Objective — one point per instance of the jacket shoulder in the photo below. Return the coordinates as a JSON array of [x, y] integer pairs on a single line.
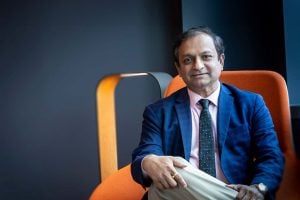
[[179, 95], [237, 93]]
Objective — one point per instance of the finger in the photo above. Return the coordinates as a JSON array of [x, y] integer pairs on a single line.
[[245, 197], [242, 194], [165, 183], [241, 191], [162, 181], [180, 180], [232, 186], [158, 185], [169, 178], [248, 195]]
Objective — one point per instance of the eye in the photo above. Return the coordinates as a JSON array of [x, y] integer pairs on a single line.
[[187, 60], [207, 57]]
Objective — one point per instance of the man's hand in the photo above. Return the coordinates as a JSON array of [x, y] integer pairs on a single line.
[[161, 169], [247, 192]]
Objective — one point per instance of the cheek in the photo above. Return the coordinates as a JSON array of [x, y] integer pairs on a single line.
[[217, 71], [217, 67], [178, 71], [181, 70]]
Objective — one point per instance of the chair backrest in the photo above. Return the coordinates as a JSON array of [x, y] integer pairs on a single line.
[[273, 88]]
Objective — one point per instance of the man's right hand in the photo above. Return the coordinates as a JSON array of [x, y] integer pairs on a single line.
[[162, 171]]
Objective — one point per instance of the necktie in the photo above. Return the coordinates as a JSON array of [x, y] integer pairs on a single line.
[[206, 145]]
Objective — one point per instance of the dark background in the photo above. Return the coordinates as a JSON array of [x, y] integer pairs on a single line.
[[253, 31], [53, 53]]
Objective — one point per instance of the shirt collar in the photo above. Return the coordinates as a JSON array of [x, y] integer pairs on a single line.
[[213, 98]]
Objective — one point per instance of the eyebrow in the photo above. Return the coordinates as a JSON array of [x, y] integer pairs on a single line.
[[204, 52]]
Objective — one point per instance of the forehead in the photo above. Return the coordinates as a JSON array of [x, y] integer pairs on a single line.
[[198, 44]]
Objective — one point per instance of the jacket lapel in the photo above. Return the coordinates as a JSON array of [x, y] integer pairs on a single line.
[[224, 111], [182, 108]]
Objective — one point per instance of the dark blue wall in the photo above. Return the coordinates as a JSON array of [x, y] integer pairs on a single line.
[[252, 30], [292, 40], [52, 55], [292, 43]]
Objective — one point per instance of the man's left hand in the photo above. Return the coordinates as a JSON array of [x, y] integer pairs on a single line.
[[246, 192]]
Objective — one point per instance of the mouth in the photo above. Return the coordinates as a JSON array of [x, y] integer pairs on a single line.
[[199, 75]]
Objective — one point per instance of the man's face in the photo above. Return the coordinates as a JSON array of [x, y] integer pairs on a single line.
[[199, 64]]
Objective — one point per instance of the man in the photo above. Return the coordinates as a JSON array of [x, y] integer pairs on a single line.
[[246, 154]]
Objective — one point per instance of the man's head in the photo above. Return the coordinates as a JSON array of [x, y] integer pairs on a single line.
[[199, 59], [218, 42]]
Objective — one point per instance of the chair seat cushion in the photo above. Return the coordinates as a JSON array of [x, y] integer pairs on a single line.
[[119, 186]]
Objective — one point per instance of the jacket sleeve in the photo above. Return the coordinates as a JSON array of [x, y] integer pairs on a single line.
[[150, 143], [268, 158]]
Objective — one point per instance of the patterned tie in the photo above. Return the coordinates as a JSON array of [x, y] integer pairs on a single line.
[[206, 145]]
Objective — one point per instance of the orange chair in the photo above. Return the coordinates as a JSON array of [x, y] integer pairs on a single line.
[[273, 88]]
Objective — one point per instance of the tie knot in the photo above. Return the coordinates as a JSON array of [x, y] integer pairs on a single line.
[[204, 103]]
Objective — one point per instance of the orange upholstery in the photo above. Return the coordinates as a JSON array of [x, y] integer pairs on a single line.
[[118, 186], [273, 88]]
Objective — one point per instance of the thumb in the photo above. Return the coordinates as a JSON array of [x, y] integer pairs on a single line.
[[233, 186], [180, 163]]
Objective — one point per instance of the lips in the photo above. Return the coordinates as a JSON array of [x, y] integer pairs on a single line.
[[199, 74]]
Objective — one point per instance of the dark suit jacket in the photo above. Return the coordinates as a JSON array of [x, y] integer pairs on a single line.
[[248, 144]]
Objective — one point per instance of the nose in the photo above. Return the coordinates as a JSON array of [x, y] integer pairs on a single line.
[[198, 63]]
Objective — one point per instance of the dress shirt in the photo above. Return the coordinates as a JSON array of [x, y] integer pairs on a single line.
[[195, 114]]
